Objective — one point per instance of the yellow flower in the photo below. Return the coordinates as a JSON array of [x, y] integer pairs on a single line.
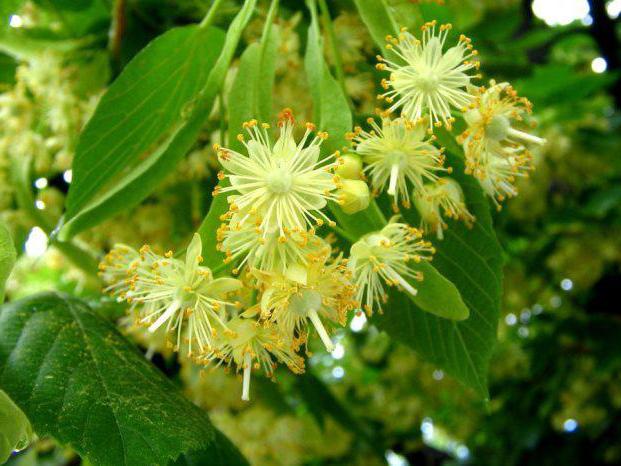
[[430, 81], [284, 184], [385, 257], [164, 290], [497, 152], [398, 154], [249, 344], [444, 198], [320, 290], [242, 242]]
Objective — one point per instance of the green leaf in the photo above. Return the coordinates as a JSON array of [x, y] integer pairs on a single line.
[[378, 20], [251, 93], [472, 260], [141, 110], [438, 295], [77, 379], [208, 229], [330, 107], [143, 179], [15, 430], [7, 257]]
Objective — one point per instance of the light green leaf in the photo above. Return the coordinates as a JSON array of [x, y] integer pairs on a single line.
[[471, 259], [330, 108], [378, 20], [78, 379], [7, 257], [140, 114], [171, 147], [15, 430], [251, 94], [438, 295]]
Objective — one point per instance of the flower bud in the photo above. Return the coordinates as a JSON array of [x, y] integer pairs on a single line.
[[355, 196], [350, 167]]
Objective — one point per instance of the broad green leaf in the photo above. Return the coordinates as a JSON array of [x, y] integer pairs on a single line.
[[141, 110], [15, 430], [146, 176], [79, 380], [471, 259], [7, 257], [378, 20]]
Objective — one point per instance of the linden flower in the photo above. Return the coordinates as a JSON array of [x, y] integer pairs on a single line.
[[490, 121], [319, 290], [431, 81], [164, 290], [384, 257], [444, 198], [398, 152], [496, 152], [498, 175], [248, 341], [242, 243], [285, 184]]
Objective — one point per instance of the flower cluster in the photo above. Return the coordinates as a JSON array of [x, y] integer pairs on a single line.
[[429, 82], [291, 282]]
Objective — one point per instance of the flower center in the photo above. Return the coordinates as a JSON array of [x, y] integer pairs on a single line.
[[428, 80], [396, 157], [279, 181], [498, 127], [305, 301]]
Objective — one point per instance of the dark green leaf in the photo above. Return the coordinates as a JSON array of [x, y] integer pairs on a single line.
[[207, 231], [79, 380]]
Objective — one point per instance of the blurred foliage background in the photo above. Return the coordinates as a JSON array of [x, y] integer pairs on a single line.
[[556, 375]]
